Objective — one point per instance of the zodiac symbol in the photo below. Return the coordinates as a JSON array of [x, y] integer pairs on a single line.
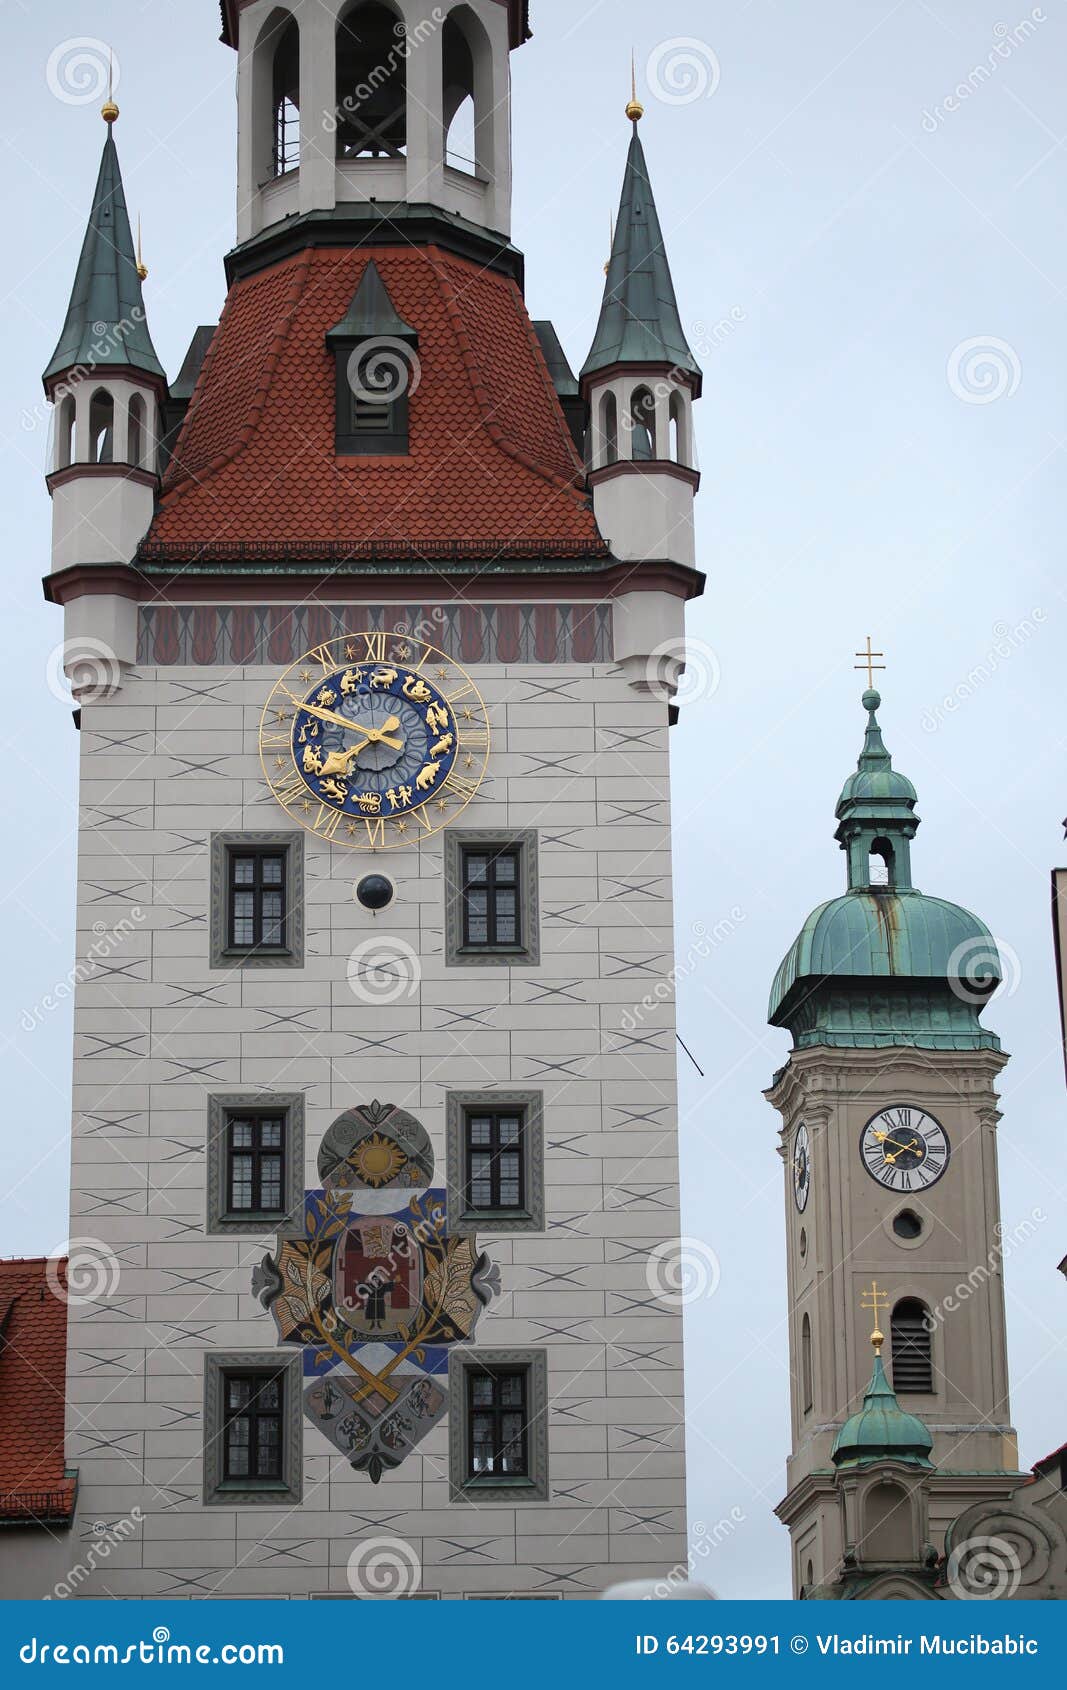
[[335, 789], [437, 718], [428, 777], [312, 761], [370, 803], [443, 746], [327, 698], [416, 690], [400, 798], [351, 682], [384, 678]]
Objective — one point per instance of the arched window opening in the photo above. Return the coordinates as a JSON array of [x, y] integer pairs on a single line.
[[609, 429], [810, 1576], [911, 1332], [880, 864], [460, 128], [372, 96], [807, 1377], [679, 429], [643, 425], [65, 432], [136, 435], [887, 1524], [102, 428], [286, 100]]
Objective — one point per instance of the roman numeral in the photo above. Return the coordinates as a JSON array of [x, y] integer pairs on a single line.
[[324, 656], [375, 644], [291, 793], [464, 692], [375, 832], [328, 822], [474, 739], [463, 789], [899, 1119], [275, 741]]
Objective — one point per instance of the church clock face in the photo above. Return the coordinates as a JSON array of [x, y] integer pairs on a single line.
[[801, 1168], [374, 741], [905, 1149]]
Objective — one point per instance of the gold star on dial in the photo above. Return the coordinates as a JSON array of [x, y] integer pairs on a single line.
[[442, 803], [351, 830], [401, 827], [307, 806], [442, 674], [469, 761], [468, 714], [279, 762], [306, 676], [282, 715], [350, 653]]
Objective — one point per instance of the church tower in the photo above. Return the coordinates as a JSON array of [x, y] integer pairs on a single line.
[[376, 1177], [889, 1115]]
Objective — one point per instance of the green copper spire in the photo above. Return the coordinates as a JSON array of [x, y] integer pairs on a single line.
[[639, 319], [371, 315], [106, 326], [885, 964], [876, 811]]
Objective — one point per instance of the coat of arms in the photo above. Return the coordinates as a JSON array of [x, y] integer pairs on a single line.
[[375, 1290]]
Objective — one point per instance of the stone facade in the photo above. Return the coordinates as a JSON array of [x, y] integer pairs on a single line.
[[172, 758]]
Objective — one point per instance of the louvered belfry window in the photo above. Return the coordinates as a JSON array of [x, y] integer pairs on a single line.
[[913, 1364]]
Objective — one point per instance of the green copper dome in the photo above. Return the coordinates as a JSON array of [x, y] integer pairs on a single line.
[[884, 964], [881, 1431]]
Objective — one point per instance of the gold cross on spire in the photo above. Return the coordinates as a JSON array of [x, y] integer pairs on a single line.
[[635, 111], [873, 1301], [868, 663]]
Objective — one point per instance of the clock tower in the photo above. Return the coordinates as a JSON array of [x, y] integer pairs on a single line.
[[375, 640], [889, 1120]]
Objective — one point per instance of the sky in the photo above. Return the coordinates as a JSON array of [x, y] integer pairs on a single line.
[[865, 213]]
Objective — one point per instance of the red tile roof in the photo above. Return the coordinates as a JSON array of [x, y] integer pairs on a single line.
[[491, 461], [35, 1487]]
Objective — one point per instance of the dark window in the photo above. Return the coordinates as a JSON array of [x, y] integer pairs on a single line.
[[257, 900], [252, 1426], [806, 1369], [913, 1365], [255, 1180], [368, 426], [497, 1425], [491, 918], [907, 1224], [494, 1153]]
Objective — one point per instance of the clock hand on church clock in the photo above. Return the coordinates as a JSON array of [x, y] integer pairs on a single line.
[[915, 1147], [374, 736]]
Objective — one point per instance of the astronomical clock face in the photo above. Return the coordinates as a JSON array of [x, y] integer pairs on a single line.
[[801, 1168], [905, 1149], [374, 740]]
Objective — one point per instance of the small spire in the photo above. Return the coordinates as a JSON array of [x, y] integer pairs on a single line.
[[142, 267], [873, 1301], [109, 111], [635, 111]]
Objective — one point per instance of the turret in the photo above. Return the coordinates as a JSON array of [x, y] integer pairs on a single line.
[[108, 389], [345, 102], [640, 381]]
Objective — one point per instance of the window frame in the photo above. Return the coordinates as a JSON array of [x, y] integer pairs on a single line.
[[255, 1417], [222, 1489], [465, 1218], [465, 1485], [221, 1219], [497, 1411], [460, 843], [904, 1348], [492, 885], [256, 1152], [225, 848], [259, 887]]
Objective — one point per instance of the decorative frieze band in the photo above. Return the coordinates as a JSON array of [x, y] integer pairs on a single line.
[[267, 635]]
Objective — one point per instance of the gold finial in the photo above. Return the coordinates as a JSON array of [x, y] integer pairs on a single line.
[[869, 664], [874, 1301], [109, 111], [142, 267], [635, 111]]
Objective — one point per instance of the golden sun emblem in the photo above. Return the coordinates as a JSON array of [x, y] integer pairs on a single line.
[[378, 1160]]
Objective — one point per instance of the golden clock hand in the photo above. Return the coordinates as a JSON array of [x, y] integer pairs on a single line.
[[374, 736], [884, 1138]]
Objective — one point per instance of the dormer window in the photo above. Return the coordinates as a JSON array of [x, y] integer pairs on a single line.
[[377, 372]]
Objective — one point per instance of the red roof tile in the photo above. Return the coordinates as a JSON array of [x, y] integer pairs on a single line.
[[491, 459], [34, 1484]]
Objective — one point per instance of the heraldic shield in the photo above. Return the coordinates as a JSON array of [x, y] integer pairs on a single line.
[[374, 1289]]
